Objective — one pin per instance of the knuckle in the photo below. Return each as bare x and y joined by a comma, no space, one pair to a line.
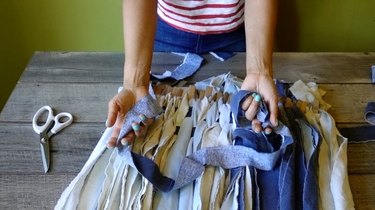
249,115
112,102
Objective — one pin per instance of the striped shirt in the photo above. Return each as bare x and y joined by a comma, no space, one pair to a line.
202,16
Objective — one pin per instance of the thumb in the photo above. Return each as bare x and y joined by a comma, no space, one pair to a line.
113,110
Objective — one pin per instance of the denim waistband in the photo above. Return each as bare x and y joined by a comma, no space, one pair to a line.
170,39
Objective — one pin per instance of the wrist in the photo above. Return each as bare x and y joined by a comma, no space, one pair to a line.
259,71
137,92
256,65
136,79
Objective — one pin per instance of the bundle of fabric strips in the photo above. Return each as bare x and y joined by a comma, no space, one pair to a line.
201,153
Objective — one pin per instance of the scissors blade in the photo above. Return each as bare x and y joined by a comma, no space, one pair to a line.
44,148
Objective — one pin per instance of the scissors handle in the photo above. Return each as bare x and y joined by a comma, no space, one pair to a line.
41,128
59,123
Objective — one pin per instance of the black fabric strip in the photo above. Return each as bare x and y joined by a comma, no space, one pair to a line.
177,130
358,134
192,132
189,113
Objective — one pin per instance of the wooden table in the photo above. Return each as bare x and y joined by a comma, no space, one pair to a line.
83,83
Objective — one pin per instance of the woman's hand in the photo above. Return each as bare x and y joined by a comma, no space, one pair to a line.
263,84
118,107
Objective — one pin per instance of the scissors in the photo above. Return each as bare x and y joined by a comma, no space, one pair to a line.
53,125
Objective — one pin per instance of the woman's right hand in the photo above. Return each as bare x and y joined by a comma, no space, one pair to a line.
118,107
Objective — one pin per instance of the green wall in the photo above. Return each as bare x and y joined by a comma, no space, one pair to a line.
95,25
326,25
56,25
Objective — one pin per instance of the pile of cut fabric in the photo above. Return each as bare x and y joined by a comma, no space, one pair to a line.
201,153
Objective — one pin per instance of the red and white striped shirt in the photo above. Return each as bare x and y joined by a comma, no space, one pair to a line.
202,16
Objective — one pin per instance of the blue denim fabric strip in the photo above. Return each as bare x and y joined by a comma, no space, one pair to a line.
268,181
190,65
240,198
307,191
307,183
373,73
240,119
147,106
152,173
270,187
370,113
282,88
287,169
270,191
287,179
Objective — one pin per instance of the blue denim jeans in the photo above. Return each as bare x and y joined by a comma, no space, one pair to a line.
170,39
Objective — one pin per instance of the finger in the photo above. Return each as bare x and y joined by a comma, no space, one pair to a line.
246,103
136,128
268,130
113,109
145,121
115,132
128,138
253,108
256,126
111,143
142,132
273,113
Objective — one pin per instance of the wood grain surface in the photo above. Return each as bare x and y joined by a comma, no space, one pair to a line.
82,83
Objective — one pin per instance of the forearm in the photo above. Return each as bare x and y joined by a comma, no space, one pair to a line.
139,24
260,24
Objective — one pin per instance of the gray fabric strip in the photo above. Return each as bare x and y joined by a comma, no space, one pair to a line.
190,65
226,157
370,113
147,106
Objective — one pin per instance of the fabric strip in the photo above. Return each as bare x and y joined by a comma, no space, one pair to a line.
191,64
147,106
359,134
240,119
193,165
370,113
222,56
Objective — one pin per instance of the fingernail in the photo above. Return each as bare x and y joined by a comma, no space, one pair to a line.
257,130
124,142
106,123
142,117
253,95
257,98
111,144
268,131
135,126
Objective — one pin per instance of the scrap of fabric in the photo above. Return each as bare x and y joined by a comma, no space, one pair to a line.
200,154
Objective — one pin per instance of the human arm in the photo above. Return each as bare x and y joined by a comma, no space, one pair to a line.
139,25
260,24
